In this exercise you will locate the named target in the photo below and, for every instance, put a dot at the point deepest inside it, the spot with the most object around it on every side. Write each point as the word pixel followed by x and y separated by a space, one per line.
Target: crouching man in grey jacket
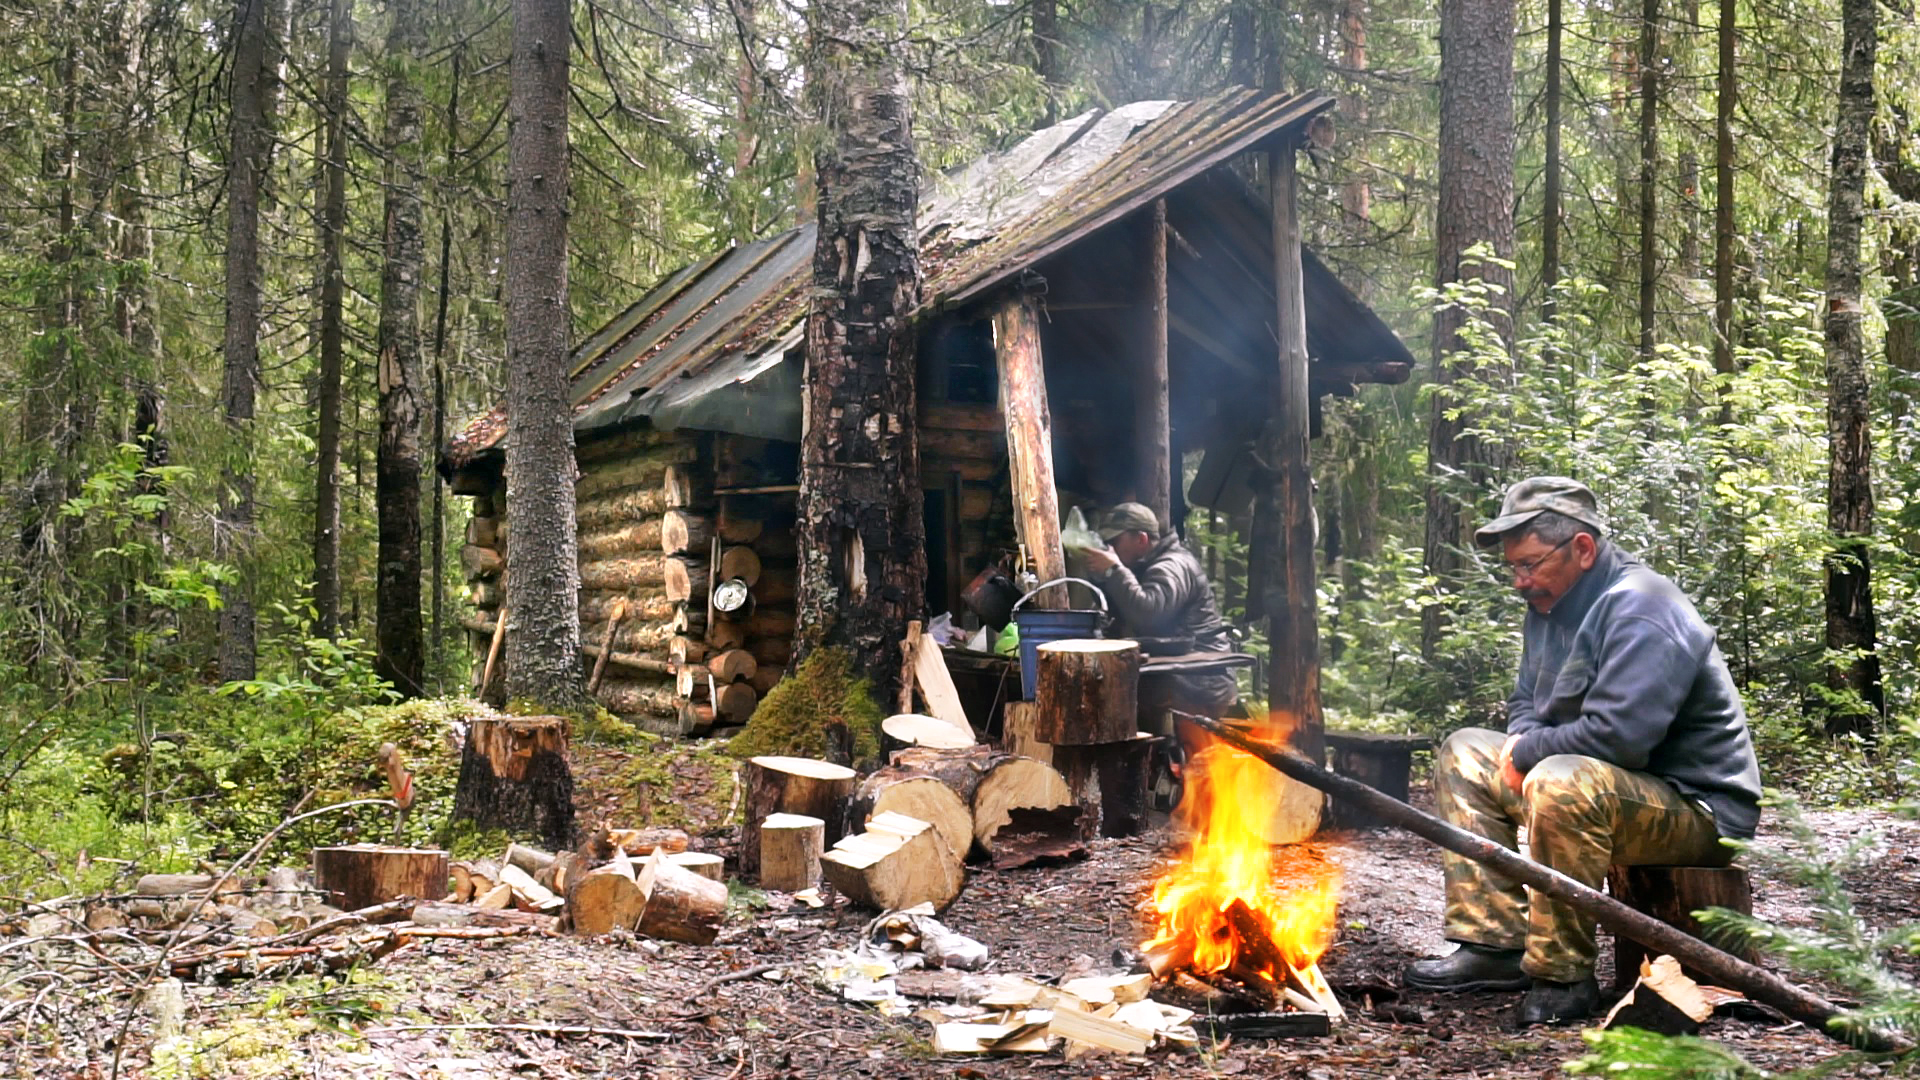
pixel 1626 743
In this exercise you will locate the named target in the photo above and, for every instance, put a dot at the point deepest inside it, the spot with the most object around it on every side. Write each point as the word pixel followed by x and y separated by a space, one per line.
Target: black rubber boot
pixel 1471 968
pixel 1559 1003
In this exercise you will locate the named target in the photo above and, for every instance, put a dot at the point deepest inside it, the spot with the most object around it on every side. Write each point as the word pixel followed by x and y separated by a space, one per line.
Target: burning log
pixel 1726 970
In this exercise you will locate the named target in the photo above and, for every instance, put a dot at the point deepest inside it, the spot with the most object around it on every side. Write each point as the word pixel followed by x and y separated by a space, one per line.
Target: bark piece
pixel 896 863
pixel 916 795
pixel 1014 783
pixel 1017 725
pixel 1087 691
pixel 1032 835
pixel 362 875
pixel 1023 385
pixel 790 850
pixel 790 785
pixel 514 775
pixel 681 905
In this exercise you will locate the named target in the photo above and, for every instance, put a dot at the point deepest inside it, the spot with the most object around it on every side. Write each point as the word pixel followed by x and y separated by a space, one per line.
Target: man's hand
pixel 1507 771
pixel 1100 560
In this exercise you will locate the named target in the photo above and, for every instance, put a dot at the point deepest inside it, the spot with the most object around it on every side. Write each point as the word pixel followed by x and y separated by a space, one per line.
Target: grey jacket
pixel 1624 669
pixel 1166 595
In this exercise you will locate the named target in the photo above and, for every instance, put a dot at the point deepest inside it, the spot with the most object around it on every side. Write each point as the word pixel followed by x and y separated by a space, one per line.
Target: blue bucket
pixel 1037 627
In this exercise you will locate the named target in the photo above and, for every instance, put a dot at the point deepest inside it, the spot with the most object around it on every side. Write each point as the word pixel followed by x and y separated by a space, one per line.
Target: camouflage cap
pixel 1128 517
pixel 1534 496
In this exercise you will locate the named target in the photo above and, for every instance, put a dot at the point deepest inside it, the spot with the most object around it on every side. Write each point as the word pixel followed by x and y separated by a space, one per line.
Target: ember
pixel 1219 915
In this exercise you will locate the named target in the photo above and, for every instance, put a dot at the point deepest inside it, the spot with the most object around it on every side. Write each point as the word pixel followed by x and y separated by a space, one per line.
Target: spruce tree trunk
pixel 1550 210
pixel 863 562
pixel 543 632
pixel 1726 93
pixel 437 542
pixel 1850 615
pixel 1649 171
pixel 1900 259
pixel 253 87
pixel 400 656
pixel 1476 207
pixel 333 331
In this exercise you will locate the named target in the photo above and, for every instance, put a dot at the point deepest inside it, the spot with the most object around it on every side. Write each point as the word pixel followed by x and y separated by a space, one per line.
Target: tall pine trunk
pixel 253 89
pixel 1726 93
pixel 863 562
pixel 543 579
pixel 333 331
pixel 1476 208
pixel 1894 149
pixel 1649 261
pixel 1850 617
pixel 400 655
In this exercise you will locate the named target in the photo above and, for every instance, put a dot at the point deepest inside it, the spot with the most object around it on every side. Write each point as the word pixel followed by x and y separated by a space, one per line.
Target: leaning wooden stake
pixel 1725 970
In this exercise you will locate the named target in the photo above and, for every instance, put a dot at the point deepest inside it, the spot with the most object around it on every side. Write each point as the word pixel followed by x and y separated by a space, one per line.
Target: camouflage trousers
pixel 1582 815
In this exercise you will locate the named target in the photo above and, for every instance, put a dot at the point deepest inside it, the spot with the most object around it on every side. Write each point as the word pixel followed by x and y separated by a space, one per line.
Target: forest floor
pixel 774 1018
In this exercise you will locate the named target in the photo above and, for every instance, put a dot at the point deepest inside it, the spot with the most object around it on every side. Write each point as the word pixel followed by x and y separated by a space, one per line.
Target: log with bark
pixel 643 535
pixel 769 623
pixel 1111 780
pixel 896 863
pixel 362 875
pixel 688 487
pixel 514 776
pixel 1017 726
pixel 685 580
pixel 772 652
pixel 696 718
pixel 1023 386
pixel 604 842
pixel 681 905
pixel 482 562
pixel 1087 691
pixel 1014 783
pixel 740 520
pixel 619 508
pixel 723 634
pixel 636 694
pixel 917 795
pixel 777 585
pixel 643 605
pixel 682 649
pixel 631 663
pixel 631 441
pixel 606 898
pixel 631 570
pixel 790 850
pixel 790 785
pixel 642 469
pixel 488 532
pixel 766 678
pixel 705 863
pixel 736 703
pixel 1724 969
pixel 684 532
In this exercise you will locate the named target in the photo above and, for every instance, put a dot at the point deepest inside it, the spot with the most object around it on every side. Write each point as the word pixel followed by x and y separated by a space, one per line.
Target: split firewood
pixel 529 894
pixel 928 668
pixel 1009 784
pixel 602 842
pixel 900 790
pixel 496 898
pixel 790 785
pixel 681 905
pixel 790 850
pixel 606 899
pixel 1084 1027
pixel 1664 1000
pixel 897 863
pixel 484 875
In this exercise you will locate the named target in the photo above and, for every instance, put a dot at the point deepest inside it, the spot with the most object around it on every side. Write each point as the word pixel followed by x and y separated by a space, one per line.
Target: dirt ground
pixel 751 1006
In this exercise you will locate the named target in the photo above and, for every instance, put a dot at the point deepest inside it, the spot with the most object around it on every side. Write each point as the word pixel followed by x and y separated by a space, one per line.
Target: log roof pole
pixel 1023 391
pixel 1293 673
pixel 1151 411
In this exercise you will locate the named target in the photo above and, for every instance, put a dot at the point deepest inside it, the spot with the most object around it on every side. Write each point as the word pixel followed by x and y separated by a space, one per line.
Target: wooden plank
pixel 936 685
pixel 1023 385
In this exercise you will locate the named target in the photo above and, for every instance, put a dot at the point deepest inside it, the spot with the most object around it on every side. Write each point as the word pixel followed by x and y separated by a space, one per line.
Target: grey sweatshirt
pixel 1624 669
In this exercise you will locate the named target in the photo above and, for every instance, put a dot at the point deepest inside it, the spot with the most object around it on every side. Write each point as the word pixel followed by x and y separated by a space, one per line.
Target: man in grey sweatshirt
pixel 1626 743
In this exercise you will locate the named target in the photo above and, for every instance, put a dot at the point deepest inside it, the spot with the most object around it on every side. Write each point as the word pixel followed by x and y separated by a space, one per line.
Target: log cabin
pixel 1123 253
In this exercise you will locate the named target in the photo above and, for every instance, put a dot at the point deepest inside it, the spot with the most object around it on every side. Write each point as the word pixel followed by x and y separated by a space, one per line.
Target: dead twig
pixel 536 1029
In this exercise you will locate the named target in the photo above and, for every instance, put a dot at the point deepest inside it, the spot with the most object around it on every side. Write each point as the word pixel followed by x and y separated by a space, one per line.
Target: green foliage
pixel 693 786
pixel 797 714
pixel 1633 1053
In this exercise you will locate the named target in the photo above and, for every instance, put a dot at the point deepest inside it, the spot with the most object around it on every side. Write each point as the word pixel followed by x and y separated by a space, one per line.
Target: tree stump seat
pixel 1672 894
pixel 1382 762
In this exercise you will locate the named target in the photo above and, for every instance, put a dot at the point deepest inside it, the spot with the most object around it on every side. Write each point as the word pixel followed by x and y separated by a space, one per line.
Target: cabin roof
pixel 729 319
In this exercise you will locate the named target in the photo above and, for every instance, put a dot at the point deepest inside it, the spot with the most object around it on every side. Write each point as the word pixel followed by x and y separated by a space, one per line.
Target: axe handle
pixel 1725 969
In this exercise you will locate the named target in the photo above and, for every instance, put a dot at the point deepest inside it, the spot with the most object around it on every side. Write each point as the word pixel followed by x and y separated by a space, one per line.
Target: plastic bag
pixel 1008 642
pixel 1076 536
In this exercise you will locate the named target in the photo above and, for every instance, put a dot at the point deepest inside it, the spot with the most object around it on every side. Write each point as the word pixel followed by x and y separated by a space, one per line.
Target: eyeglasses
pixel 1526 570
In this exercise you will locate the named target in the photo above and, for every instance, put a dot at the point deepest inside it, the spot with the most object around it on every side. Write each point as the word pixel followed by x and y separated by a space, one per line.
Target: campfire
pixel 1227 938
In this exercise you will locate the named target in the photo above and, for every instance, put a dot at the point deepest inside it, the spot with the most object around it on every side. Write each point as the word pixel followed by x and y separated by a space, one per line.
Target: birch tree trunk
pixel 863 563
pixel 543 632
pixel 1476 208
pixel 1850 616
pixel 400 654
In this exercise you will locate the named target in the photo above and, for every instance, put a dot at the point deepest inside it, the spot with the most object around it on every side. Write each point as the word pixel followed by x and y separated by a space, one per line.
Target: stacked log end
pixel 756 486
pixel 484 558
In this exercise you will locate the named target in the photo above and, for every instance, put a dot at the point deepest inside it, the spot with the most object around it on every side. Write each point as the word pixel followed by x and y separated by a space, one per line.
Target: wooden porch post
pixel 1151 414
pixel 1023 386
pixel 1293 672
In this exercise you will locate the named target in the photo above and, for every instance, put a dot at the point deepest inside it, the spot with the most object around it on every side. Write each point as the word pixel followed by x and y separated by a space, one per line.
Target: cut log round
pixel 913 729
pixel 723 634
pixel 1110 782
pixel 736 703
pixel 790 850
pixel 917 795
pixel 688 621
pixel 606 899
pixel 514 776
pixel 897 863
pixel 684 532
pixel 1014 783
pixel 685 650
pixel 696 718
pixel 362 875
pixel 790 785
pixel 1087 691
pixel 740 562
pixel 688 486
pixel 681 905
pixel 733 664
pixel 690 681
pixel 684 578
pixel 482 562
pixel 705 863
pixel 741 520
pixel 1672 894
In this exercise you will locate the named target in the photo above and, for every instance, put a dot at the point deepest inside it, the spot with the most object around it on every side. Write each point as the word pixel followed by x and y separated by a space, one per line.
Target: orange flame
pixel 1229 800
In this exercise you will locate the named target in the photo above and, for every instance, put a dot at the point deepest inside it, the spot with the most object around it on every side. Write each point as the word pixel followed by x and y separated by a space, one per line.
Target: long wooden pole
pixel 1023 388
pixel 1725 970
pixel 1152 414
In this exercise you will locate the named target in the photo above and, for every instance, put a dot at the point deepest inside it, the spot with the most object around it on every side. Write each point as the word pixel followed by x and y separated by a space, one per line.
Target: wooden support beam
pixel 1023 383
pixel 1152 415
pixel 1293 672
